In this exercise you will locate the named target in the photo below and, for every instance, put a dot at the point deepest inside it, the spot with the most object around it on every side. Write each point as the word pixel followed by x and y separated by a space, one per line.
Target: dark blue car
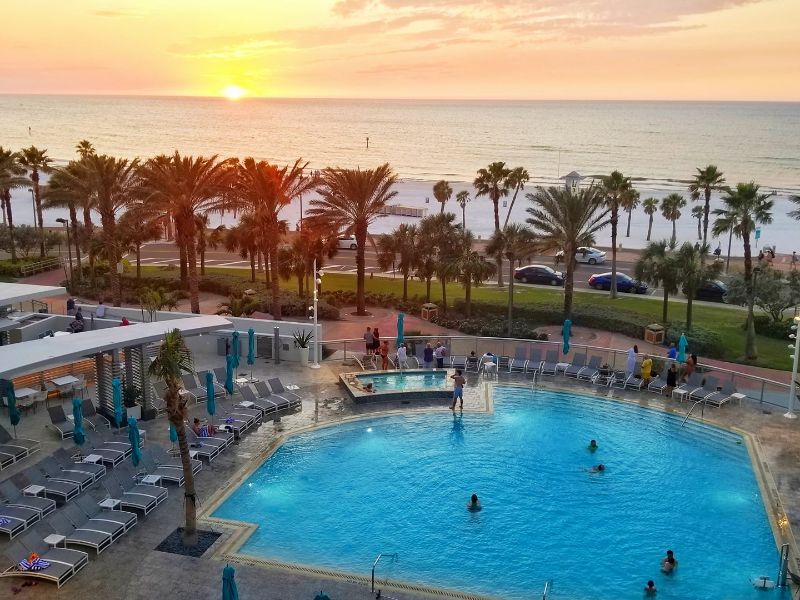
pixel 602 281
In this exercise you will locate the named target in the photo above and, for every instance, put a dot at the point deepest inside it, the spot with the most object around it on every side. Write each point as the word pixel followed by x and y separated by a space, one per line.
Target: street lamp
pixel 317 282
pixel 793 386
pixel 69 247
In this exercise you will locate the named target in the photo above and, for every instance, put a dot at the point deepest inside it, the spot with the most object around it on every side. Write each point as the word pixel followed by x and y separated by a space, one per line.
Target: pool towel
pixel 4 521
pixel 37 564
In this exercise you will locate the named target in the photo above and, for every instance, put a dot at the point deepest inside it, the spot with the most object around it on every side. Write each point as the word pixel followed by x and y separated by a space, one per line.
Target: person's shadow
pixel 457 432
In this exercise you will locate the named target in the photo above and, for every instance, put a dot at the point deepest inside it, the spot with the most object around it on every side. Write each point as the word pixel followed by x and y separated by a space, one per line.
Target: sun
pixel 233 92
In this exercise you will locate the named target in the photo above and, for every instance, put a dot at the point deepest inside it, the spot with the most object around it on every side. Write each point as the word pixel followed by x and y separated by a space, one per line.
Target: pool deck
pixel 131 569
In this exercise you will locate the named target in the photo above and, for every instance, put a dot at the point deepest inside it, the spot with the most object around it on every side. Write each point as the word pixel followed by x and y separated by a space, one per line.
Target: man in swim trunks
pixel 668 563
pixel 458 388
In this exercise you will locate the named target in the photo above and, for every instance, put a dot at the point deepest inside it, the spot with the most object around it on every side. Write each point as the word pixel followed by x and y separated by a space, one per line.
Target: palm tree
pixel 174 359
pixel 442 192
pixel 264 190
pixel 238 306
pixel 658 266
pixel 84 148
pixel 437 249
pixel 517 179
pixel 650 206
pixel 671 210
pixel 743 209
pixel 11 176
pixel 795 214
pixel 462 198
pixel 207 238
pixel 697 213
pixel 514 242
pixel 616 188
pixel 694 272
pixel 134 230
pixel 351 200
pixel 67 188
pixel 493 182
pixel 629 203
pixel 178 188
pixel 36 161
pixel 567 218
pixel 471 268
pixel 241 239
pixel 399 250
pixel 706 181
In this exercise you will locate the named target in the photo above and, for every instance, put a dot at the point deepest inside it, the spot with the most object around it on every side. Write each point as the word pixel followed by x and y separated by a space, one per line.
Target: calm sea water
pixel 601 536
pixel 657 143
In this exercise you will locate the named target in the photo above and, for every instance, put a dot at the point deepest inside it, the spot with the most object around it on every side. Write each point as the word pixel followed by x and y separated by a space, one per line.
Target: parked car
pixel 585 254
pixel 713 291
pixel 539 274
pixel 347 243
pixel 625 283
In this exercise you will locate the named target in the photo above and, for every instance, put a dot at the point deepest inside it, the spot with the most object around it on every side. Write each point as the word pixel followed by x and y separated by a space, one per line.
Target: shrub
pixel 9 269
pixel 702 342
pixel 765 326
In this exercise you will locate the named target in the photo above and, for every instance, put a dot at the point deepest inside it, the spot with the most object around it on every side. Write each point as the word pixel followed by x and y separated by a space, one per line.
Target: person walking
pixel 630 366
pixel 795 260
pixel 385 355
pixel 369 338
pixel 402 357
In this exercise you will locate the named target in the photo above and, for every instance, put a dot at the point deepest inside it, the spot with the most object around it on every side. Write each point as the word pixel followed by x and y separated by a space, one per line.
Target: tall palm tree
pixel 493 182
pixel 629 203
pixel 11 176
pixel 697 213
pixel 470 268
pixel 241 239
pixel 650 206
pixel 442 233
pixel 706 181
pixel 462 198
pixel 136 228
pixel 67 188
pixel 442 192
pixel 517 179
pixel 264 190
pixel 351 200
pixel 36 161
pixel 400 249
pixel 694 272
pixel 616 188
pixel 658 266
pixel 84 148
pixel 179 187
pixel 563 218
pixel 671 210
pixel 743 209
pixel 514 242
pixel 174 359
pixel 207 237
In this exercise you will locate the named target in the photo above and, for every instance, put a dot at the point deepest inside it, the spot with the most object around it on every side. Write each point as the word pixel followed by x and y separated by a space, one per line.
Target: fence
pixel 757 389
pixel 48 264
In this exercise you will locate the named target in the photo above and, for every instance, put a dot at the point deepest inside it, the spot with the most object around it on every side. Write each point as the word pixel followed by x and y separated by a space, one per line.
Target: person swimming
pixel 598 468
pixel 650 588
pixel 474 505
pixel 668 563
pixel 593 445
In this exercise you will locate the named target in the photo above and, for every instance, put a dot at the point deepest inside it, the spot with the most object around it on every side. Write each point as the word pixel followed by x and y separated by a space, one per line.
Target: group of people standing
pixel 376 348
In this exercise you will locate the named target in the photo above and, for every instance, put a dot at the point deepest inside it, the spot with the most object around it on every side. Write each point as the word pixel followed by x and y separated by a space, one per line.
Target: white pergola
pixel 14 293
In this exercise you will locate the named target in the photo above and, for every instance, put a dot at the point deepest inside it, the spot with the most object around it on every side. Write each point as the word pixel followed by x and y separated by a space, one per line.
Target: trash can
pixel 429 310
pixel 654 333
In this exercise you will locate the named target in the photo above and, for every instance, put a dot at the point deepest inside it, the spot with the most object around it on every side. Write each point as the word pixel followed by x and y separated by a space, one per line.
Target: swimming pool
pixel 432 380
pixel 338 496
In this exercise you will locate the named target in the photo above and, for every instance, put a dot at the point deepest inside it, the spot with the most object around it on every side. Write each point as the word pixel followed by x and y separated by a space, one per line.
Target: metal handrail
pixel 548 586
pixel 701 401
pixel 393 555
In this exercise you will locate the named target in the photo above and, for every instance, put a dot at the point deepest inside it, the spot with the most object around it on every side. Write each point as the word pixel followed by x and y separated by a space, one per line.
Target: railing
pixel 548 586
pixel 757 389
pixel 393 555
pixel 48 264
pixel 688 414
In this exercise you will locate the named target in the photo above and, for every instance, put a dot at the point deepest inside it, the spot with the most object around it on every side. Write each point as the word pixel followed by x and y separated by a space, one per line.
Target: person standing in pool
pixel 458 388
pixel 474 505
pixel 669 563
pixel 650 589
pixel 593 446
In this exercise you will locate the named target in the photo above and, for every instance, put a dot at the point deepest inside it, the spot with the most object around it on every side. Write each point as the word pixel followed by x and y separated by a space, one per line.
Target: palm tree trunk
pixel 510 296
pixel 665 307
pixel 443 281
pixel 674 233
pixel 614 221
pixel 689 300
pixel 569 281
pixel 468 297
pixel 275 283
pixel 649 228
pixel 191 263
pixel 138 262
pixel 183 256
pixel 361 241
pixel 499 261
pixel 189 493
pixel 428 289
pixel 73 219
pixel 7 194
pixel 252 266
pixel 109 231
pixel 405 286
pixel 202 262
pixel 706 209
pixel 750 351
pixel 513 199
pixel 88 235
pixel 628 231
pixel 38 201
pixel 699 233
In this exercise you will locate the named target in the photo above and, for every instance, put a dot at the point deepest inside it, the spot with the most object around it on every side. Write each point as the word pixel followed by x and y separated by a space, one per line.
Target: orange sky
pixel 560 49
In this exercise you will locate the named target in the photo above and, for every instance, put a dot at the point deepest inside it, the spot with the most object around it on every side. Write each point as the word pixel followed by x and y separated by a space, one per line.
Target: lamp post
pixel 69 247
pixel 793 386
pixel 317 280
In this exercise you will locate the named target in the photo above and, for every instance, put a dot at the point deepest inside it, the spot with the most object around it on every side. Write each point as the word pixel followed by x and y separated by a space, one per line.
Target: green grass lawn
pixel 725 320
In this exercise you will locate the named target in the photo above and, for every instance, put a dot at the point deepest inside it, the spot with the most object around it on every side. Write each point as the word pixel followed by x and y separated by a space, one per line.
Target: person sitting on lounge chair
pixel 201 430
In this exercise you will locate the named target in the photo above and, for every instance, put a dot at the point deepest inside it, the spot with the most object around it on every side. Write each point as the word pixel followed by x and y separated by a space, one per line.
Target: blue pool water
pixel 338 496
pixel 406 381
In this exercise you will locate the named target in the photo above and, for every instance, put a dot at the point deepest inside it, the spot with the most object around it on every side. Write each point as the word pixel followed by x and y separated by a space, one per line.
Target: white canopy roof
pixel 13 293
pixel 27 357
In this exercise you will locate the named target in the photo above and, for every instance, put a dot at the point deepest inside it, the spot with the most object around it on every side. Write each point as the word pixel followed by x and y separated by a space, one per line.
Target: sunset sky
pixel 519 49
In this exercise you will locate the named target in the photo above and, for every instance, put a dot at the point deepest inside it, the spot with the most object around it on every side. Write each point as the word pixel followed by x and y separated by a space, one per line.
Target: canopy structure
pixel 14 293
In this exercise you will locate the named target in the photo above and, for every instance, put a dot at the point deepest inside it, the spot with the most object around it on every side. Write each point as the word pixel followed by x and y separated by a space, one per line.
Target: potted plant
pixel 130 399
pixel 302 339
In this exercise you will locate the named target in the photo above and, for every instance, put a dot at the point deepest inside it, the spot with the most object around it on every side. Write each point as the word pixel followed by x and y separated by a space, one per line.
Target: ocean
pixel 659 144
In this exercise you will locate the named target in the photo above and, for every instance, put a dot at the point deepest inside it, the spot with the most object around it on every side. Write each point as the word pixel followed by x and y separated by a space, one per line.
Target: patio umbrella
pixel 400 337
pixel 566 332
pixel 229 591
pixel 11 397
pixel 117 397
pixel 211 403
pixel 682 343
pixel 251 349
pixel 173 435
pixel 235 349
pixel 229 367
pixel 78 435
pixel 134 437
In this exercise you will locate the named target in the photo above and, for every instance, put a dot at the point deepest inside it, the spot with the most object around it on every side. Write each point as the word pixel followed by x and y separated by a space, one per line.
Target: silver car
pixel 585 254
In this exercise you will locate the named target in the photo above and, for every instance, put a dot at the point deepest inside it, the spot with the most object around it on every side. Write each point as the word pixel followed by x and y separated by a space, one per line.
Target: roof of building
pixel 13 293
pixel 573 175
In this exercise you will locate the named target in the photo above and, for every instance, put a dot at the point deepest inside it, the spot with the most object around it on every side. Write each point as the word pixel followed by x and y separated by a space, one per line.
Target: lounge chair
pixel 471 364
pixel 458 362
pixel 592 370
pixel 278 388
pixel 50 468
pixel 80 520
pixel 92 510
pixel 238 425
pixel 520 361
pixel 192 388
pixel 503 363
pixel 658 384
pixel 694 382
pixel 77 535
pixel 7 459
pixel 709 387
pixel 576 365
pixel 19 519
pixel 162 458
pixel 635 380
pixel 285 400
pixel 134 494
pixel 97 470
pixel 618 378
pixel 534 364
pixel 208 447
pixel 219 388
pixel 11 495
pixel 167 474
pixel 57 490
pixel 59 421
pixel 549 364
pixel 91 416
pixel 64 563
pixel 720 397
pixel 17 448
pixel 260 402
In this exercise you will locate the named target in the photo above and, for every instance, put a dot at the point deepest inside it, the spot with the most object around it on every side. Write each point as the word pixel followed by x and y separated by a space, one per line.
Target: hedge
pixel 765 326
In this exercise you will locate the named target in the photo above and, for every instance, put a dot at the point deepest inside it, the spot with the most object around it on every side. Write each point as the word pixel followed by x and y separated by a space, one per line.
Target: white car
pixel 586 254
pixel 347 243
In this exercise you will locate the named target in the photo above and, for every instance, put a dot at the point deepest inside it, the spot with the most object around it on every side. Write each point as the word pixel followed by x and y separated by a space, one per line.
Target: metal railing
pixel 48 264
pixel 757 389
pixel 393 555
pixel 548 586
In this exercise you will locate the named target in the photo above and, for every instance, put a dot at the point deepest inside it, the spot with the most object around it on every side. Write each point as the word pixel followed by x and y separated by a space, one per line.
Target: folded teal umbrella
pixel 682 343
pixel 117 397
pixel 229 367
pixel 135 439
pixel 78 434
pixel 229 591
pixel 251 347
pixel 400 334
pixel 566 332
pixel 235 349
pixel 13 414
pixel 173 434
pixel 211 401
